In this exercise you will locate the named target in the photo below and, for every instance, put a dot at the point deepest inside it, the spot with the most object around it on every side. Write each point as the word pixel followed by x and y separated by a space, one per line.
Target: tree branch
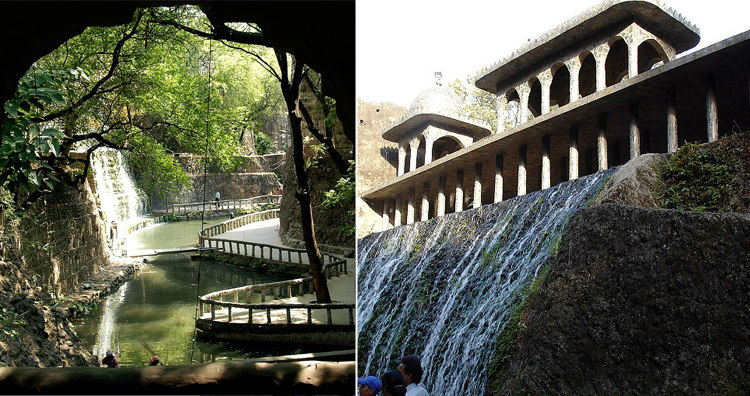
pixel 341 164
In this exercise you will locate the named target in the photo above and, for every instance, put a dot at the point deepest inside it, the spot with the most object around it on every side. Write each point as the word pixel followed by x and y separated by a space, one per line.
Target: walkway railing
pixel 225 204
pixel 229 310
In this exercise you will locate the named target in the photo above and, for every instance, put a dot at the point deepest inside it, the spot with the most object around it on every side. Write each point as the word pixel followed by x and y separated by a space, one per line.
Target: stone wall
pixel 377 158
pixel 639 301
pixel 63 238
pixel 322 177
pixel 229 185
pixel 191 164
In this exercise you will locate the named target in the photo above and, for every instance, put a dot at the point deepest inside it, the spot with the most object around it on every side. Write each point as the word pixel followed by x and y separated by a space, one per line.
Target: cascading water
pixel 444 288
pixel 119 199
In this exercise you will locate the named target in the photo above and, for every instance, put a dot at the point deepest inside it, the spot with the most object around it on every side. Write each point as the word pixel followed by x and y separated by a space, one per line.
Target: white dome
pixel 437 100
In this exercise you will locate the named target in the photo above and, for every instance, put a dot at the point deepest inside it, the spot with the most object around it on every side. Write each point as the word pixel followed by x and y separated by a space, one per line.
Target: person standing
pixel 218 198
pixel 392 383
pixel 410 367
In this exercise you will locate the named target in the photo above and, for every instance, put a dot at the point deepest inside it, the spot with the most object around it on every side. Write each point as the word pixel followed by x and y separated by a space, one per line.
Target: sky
pixel 402 43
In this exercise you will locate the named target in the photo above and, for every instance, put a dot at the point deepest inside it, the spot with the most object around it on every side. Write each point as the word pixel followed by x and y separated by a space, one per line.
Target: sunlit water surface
pixel 158 306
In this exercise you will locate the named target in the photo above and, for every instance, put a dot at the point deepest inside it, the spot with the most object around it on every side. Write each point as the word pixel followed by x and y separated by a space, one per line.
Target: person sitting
pixel 154 361
pixel 111 360
pixel 393 383
pixel 370 386
pixel 410 367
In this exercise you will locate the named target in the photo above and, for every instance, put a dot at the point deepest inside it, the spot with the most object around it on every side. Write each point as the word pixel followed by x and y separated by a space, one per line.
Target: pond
pixel 158 306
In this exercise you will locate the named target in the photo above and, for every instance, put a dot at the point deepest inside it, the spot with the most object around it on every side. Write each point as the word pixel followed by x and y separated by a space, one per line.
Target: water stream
pixel 158 305
pixel 117 194
pixel 444 288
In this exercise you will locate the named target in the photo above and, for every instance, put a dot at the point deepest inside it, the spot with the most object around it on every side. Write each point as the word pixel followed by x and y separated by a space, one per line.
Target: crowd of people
pixel 404 380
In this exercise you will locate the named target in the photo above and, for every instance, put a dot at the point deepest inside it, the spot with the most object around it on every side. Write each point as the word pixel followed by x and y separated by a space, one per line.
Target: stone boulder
pixel 634 183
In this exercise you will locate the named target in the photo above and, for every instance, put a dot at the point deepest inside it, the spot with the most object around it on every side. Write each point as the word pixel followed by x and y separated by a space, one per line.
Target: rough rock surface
pixel 377 159
pixel 634 183
pixel 640 301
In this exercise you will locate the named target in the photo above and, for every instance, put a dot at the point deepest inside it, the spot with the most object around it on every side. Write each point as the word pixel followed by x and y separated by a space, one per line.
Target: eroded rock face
pixel 634 183
pixel 640 301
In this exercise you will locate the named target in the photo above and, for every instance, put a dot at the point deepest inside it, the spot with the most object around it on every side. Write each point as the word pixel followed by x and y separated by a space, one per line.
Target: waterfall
pixel 119 199
pixel 444 288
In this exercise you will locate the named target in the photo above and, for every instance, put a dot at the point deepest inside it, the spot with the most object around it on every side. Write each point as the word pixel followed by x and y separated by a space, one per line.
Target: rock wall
pixel 322 177
pixel 377 158
pixel 639 301
pixel 63 238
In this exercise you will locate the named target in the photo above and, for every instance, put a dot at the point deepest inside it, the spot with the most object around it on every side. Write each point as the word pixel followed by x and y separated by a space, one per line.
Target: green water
pixel 158 305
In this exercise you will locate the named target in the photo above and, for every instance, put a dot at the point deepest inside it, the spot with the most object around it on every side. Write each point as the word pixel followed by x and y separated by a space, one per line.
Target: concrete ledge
pixel 237 377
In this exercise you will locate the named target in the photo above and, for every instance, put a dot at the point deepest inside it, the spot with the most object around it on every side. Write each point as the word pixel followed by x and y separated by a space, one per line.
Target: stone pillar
pixel 414 146
pixel 410 208
pixel 632 60
pixel 397 212
pixel 635 132
pixel 521 170
pixel 545 79
pixel 574 68
pixel 600 57
pixel 672 142
pixel 712 117
pixel 385 214
pixel 428 142
pixel 573 154
pixel 459 191
pixel 502 104
pixel 499 178
pixel 545 162
pixel 477 184
pixel 441 197
pixel 601 143
pixel 525 90
pixel 401 158
pixel 425 201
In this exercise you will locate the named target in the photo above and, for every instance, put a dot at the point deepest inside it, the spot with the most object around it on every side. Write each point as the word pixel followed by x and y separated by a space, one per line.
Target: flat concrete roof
pixel 665 23
pixel 723 58
pixel 411 122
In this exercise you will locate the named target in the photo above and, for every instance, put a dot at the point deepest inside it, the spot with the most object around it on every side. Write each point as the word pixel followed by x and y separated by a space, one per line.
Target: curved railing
pixel 333 266
pixel 226 204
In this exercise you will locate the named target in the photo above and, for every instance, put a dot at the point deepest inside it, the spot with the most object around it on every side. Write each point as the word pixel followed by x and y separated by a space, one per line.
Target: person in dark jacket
pixel 111 360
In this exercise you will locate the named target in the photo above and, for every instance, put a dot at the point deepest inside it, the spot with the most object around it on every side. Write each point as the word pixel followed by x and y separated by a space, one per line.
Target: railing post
pixel 309 315
pixel 262 295
pixel 229 317
pixel 268 315
pixel 288 315
pixel 351 316
pixel 213 312
pixel 249 315
pixel 330 319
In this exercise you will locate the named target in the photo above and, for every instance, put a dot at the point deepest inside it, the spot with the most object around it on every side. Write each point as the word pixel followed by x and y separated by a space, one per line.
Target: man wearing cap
pixel 410 367
pixel 370 386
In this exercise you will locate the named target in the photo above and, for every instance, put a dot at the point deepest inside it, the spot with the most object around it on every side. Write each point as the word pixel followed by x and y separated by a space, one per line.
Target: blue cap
pixel 372 382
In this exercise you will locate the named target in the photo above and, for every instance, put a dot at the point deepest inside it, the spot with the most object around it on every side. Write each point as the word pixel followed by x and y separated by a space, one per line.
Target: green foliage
pixel 9 320
pixel 478 104
pixel 698 179
pixel 157 172
pixel 342 196
pixel 263 143
pixel 28 145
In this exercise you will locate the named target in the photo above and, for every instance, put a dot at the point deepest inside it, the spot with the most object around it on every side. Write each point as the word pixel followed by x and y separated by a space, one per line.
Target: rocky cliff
pixel 638 302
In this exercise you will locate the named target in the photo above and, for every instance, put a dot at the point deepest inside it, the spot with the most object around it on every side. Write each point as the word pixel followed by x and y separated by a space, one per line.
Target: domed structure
pixel 437 100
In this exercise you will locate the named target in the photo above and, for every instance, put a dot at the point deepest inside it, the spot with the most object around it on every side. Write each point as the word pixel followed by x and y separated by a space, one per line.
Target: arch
pixel 616 65
pixel 559 92
pixel 650 52
pixel 587 74
pixel 421 151
pixel 513 111
pixel 535 98
pixel 444 146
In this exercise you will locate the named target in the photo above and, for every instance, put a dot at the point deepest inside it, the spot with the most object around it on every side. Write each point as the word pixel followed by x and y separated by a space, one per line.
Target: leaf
pixel 11 108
